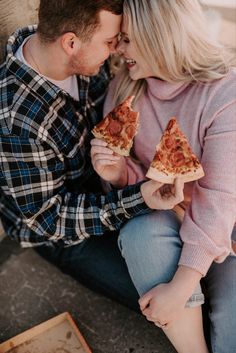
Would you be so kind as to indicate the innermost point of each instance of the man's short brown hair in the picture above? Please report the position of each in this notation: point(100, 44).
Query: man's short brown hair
point(57, 17)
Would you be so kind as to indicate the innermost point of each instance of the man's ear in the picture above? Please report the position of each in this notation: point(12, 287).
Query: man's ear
point(70, 43)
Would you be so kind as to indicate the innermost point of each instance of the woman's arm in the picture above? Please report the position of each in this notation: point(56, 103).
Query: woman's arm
point(208, 223)
point(209, 220)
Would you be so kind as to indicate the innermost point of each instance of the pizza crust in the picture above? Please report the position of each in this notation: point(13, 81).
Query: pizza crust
point(174, 157)
point(156, 175)
point(120, 151)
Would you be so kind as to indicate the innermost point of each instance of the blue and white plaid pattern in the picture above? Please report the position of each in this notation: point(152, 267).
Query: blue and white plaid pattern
point(49, 192)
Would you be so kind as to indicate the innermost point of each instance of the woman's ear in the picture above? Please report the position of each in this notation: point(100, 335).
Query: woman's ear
point(70, 43)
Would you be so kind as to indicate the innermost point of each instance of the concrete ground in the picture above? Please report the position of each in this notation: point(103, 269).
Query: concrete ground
point(33, 291)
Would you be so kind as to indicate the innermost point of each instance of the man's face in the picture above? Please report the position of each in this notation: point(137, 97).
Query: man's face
point(92, 54)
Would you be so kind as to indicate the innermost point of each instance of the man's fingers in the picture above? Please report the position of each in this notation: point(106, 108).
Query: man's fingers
point(103, 163)
point(103, 160)
point(98, 142)
point(101, 157)
point(100, 150)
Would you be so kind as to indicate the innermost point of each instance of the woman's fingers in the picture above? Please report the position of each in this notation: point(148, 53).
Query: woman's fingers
point(175, 190)
point(179, 189)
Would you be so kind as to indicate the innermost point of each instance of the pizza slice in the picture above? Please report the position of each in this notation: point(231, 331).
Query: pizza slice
point(119, 127)
point(174, 157)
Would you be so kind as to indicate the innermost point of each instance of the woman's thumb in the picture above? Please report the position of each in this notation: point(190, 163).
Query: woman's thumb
point(144, 301)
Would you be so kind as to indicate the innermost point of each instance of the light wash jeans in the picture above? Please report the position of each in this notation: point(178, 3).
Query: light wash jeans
point(151, 247)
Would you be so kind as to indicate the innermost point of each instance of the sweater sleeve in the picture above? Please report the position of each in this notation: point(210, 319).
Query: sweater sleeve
point(136, 172)
point(209, 220)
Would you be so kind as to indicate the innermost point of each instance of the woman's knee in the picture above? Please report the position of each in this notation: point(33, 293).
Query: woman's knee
point(151, 247)
point(156, 231)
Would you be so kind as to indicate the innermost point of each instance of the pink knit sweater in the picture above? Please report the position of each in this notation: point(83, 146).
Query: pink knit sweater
point(207, 115)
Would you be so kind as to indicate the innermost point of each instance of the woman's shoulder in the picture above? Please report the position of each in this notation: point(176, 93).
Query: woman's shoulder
point(220, 101)
point(219, 92)
point(225, 83)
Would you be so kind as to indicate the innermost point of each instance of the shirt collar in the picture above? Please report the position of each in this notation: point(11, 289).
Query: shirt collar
point(164, 90)
point(36, 82)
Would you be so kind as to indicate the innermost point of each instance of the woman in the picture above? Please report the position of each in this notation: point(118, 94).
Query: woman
point(175, 69)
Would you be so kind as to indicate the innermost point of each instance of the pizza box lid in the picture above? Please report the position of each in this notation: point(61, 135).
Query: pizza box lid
point(57, 335)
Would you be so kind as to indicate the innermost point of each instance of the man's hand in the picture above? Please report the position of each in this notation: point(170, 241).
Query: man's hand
point(162, 197)
point(108, 165)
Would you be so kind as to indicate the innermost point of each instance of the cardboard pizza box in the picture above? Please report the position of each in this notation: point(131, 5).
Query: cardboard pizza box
point(57, 335)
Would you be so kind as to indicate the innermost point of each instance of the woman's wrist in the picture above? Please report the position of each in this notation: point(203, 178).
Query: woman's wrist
point(185, 281)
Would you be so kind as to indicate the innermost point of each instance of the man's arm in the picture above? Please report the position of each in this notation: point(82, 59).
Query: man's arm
point(34, 176)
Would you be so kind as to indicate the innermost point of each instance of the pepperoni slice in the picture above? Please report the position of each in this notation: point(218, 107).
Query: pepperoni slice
point(114, 127)
point(171, 123)
point(130, 130)
point(169, 142)
point(178, 159)
point(122, 114)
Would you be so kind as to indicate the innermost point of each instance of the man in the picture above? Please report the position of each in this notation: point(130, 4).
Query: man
point(52, 89)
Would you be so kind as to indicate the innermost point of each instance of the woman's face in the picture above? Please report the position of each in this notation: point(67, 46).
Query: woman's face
point(137, 66)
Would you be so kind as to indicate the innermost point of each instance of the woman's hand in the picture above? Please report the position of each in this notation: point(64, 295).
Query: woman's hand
point(108, 165)
point(164, 303)
point(160, 196)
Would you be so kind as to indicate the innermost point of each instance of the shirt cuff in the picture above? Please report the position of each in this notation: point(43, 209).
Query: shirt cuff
point(196, 257)
point(133, 202)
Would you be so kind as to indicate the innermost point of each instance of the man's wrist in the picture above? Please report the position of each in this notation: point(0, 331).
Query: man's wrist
point(132, 201)
point(122, 182)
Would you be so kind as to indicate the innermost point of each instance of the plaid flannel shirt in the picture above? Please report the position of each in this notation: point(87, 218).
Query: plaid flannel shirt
point(49, 192)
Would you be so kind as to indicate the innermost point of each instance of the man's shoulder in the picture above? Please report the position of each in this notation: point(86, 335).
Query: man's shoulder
point(21, 110)
point(4, 73)
point(8, 89)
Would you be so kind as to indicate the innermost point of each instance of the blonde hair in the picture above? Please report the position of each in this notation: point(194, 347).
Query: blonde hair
point(172, 35)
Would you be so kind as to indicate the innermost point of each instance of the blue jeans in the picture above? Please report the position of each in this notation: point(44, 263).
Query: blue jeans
point(151, 250)
point(154, 257)
point(151, 247)
point(98, 264)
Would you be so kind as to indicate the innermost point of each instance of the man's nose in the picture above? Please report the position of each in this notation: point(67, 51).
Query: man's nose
point(119, 48)
point(113, 48)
